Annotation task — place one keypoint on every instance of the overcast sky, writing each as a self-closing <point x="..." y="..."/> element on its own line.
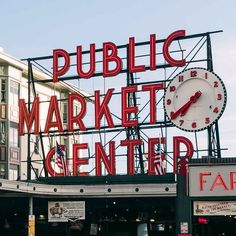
<point x="34" y="28"/>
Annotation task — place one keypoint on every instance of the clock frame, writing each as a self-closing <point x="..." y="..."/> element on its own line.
<point x="195" y="99"/>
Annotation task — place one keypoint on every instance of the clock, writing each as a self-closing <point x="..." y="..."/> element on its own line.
<point x="195" y="99"/>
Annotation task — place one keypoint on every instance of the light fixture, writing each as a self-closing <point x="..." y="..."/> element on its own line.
<point x="137" y="219"/>
<point x="152" y="220"/>
<point x="42" y="217"/>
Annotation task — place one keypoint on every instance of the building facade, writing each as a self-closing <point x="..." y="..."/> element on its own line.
<point x="13" y="148"/>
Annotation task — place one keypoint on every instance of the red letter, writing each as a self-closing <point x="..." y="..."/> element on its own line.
<point x="48" y="164"/>
<point x="78" y="118"/>
<point x="56" y="72"/>
<point x="91" y="71"/>
<point x="166" y="53"/>
<point x="131" y="61"/>
<point x="112" y="57"/>
<point x="29" y="118"/>
<point x="232" y="180"/>
<point x="202" y="181"/>
<point x="126" y="109"/>
<point x="152" y="154"/>
<point x="79" y="161"/>
<point x="176" y="144"/>
<point x="153" y="52"/>
<point x="219" y="182"/>
<point x="101" y="155"/>
<point x="152" y="88"/>
<point x="130" y="149"/>
<point x="103" y="109"/>
<point x="53" y="107"/>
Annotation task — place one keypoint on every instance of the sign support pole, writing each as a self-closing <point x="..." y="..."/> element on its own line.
<point x="183" y="208"/>
<point x="31" y="219"/>
<point x="30" y="205"/>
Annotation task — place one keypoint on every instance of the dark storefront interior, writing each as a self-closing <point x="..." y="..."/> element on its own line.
<point x="112" y="217"/>
<point x="116" y="217"/>
<point x="215" y="226"/>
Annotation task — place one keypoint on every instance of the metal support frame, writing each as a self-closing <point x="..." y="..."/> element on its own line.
<point x="134" y="132"/>
<point x="213" y="131"/>
<point x="214" y="148"/>
<point x="31" y="84"/>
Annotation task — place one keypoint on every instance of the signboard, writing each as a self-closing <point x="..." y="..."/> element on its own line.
<point x="113" y="107"/>
<point x="184" y="227"/>
<point x="112" y="65"/>
<point x="63" y="211"/>
<point x="216" y="208"/>
<point x="212" y="180"/>
<point x="31" y="228"/>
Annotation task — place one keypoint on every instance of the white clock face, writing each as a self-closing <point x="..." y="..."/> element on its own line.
<point x="195" y="99"/>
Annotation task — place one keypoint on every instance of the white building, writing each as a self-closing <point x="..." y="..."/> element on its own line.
<point x="13" y="149"/>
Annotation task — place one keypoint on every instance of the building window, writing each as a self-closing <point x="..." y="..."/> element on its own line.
<point x="3" y="90"/>
<point x="2" y="132"/>
<point x="2" y="171"/>
<point x="14" y="93"/>
<point x="2" y="153"/>
<point x="65" y="112"/>
<point x="13" y="172"/>
<point x="34" y="144"/>
<point x="34" y="173"/>
<point x="3" y="70"/>
<point x="14" y="155"/>
<point x="3" y="114"/>
<point x="13" y="137"/>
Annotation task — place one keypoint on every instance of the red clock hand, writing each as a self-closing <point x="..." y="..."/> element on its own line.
<point x="193" y="99"/>
<point x="182" y="110"/>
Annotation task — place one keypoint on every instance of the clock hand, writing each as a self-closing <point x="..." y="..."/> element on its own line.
<point x="182" y="110"/>
<point x="193" y="99"/>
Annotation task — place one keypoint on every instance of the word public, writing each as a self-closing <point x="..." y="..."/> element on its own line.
<point x="110" y="55"/>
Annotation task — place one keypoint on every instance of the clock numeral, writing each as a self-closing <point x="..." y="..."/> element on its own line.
<point x="219" y="96"/>
<point x="181" y="78"/>
<point x="168" y="102"/>
<point x="206" y="75"/>
<point x="181" y="122"/>
<point x="193" y="73"/>
<point x="172" y="88"/>
<point x="216" y="84"/>
<point x="207" y="120"/>
<point x="216" y="110"/>
<point x="194" y="125"/>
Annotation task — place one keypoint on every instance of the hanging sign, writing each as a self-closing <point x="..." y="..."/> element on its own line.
<point x="216" y="208"/>
<point x="63" y="211"/>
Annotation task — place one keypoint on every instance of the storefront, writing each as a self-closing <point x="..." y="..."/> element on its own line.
<point x="213" y="196"/>
<point x="116" y="150"/>
<point x="144" y="207"/>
